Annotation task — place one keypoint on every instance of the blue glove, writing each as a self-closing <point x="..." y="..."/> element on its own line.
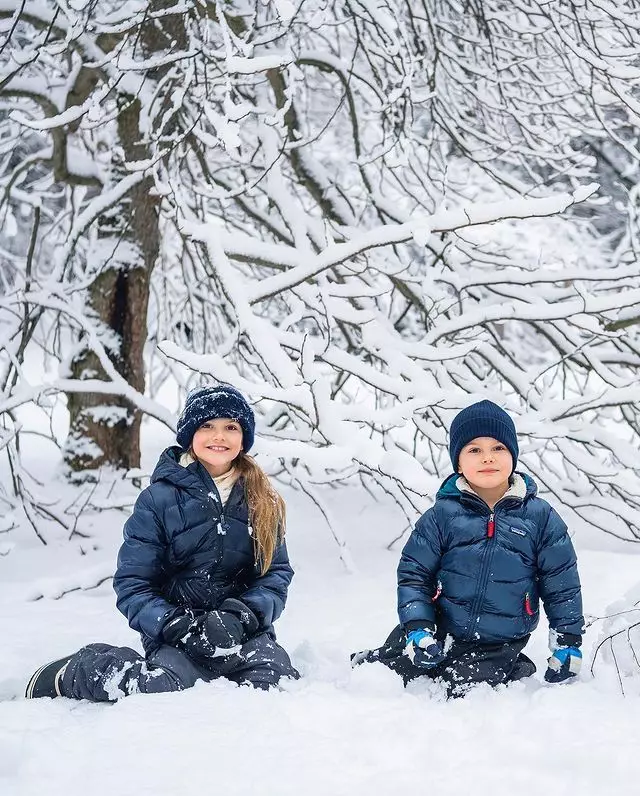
<point x="563" y="665"/>
<point x="423" y="649"/>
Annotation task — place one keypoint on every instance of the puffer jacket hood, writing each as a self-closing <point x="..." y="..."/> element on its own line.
<point x="479" y="574"/>
<point x="193" y="478"/>
<point x="170" y="470"/>
<point x="196" y="481"/>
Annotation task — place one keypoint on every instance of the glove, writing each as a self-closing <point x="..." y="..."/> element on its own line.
<point x="244" y="614"/>
<point x="423" y="649"/>
<point x="566" y="659"/>
<point x="202" y="636"/>
<point x="205" y="635"/>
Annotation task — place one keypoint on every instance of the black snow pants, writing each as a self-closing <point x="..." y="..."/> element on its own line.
<point x="466" y="663"/>
<point x="103" y="673"/>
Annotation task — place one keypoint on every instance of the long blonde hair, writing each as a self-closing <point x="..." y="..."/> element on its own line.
<point x="267" y="512"/>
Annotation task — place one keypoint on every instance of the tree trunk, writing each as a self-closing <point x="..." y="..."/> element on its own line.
<point x="103" y="428"/>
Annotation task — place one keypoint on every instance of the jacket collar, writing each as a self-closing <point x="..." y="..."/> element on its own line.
<point x="193" y="478"/>
<point x="196" y="480"/>
<point x="517" y="487"/>
<point x="521" y="488"/>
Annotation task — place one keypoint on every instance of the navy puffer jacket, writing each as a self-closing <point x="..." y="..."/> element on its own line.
<point x="182" y="549"/>
<point x="481" y="574"/>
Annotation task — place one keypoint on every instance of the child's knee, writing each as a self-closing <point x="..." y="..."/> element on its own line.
<point x="171" y="669"/>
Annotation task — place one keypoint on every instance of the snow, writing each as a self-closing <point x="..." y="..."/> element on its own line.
<point x="247" y="66"/>
<point x="503" y="300"/>
<point x="336" y="731"/>
<point x="386" y="235"/>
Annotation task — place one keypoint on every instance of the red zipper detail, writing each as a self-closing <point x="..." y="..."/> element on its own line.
<point x="438" y="592"/>
<point x="527" y="605"/>
<point x="491" y="526"/>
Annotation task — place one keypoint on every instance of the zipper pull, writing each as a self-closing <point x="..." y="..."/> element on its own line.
<point x="527" y="605"/>
<point x="491" y="525"/>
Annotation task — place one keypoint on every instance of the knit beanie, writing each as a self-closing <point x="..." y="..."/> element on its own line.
<point x="209" y="403"/>
<point x="484" y="419"/>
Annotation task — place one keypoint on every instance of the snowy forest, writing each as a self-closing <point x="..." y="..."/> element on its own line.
<point x="365" y="215"/>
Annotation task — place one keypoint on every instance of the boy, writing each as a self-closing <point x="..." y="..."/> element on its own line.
<point x="476" y="566"/>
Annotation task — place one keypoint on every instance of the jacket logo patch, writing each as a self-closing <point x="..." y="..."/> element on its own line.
<point x="518" y="531"/>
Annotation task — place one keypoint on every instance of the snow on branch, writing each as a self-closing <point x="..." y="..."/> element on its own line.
<point x="419" y="230"/>
<point x="363" y="226"/>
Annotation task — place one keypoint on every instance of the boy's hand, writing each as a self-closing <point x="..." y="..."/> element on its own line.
<point x="423" y="649"/>
<point x="566" y="659"/>
<point x="564" y="664"/>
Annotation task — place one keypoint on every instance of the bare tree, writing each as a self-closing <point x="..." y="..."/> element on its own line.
<point x="305" y="192"/>
<point x="74" y="88"/>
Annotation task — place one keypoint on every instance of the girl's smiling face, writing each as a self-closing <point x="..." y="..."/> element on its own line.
<point x="217" y="443"/>
<point x="486" y="464"/>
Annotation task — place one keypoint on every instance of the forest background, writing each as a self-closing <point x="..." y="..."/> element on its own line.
<point x="365" y="215"/>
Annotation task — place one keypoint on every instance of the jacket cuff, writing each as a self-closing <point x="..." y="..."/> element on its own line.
<point x="558" y="640"/>
<point x="419" y="624"/>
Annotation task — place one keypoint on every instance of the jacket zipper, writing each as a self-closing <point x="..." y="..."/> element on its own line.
<point x="220" y="530"/>
<point x="484" y="570"/>
<point x="220" y="526"/>
<point x="484" y="573"/>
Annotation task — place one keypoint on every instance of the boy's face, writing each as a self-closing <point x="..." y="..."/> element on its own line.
<point x="217" y="443"/>
<point x="486" y="463"/>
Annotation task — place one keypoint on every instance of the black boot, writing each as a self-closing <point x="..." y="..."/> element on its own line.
<point x="524" y="667"/>
<point x="364" y="656"/>
<point x="46" y="681"/>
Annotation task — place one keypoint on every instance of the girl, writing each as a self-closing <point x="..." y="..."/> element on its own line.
<point x="203" y="571"/>
<point x="476" y="566"/>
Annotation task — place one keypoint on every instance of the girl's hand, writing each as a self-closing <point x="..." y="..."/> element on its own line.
<point x="242" y="612"/>
<point x="176" y="629"/>
<point x="202" y="636"/>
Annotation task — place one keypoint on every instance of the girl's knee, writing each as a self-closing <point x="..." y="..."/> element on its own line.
<point x="173" y="669"/>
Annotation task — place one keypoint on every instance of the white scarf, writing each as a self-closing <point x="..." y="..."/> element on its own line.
<point x="225" y="483"/>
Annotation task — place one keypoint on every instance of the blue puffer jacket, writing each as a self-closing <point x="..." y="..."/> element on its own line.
<point x="480" y="574"/>
<point x="181" y="549"/>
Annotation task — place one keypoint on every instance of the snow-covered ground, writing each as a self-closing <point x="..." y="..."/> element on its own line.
<point x="336" y="731"/>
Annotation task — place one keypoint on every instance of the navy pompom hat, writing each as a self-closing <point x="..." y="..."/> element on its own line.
<point x="209" y="403"/>
<point x="484" y="419"/>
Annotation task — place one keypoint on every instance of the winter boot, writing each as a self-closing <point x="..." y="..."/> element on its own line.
<point x="364" y="656"/>
<point x="46" y="681"/>
<point x="524" y="667"/>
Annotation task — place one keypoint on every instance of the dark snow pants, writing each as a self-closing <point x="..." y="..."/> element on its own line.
<point x="103" y="673"/>
<point x="466" y="664"/>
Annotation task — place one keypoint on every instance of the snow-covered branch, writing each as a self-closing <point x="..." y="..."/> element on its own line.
<point x="364" y="226"/>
